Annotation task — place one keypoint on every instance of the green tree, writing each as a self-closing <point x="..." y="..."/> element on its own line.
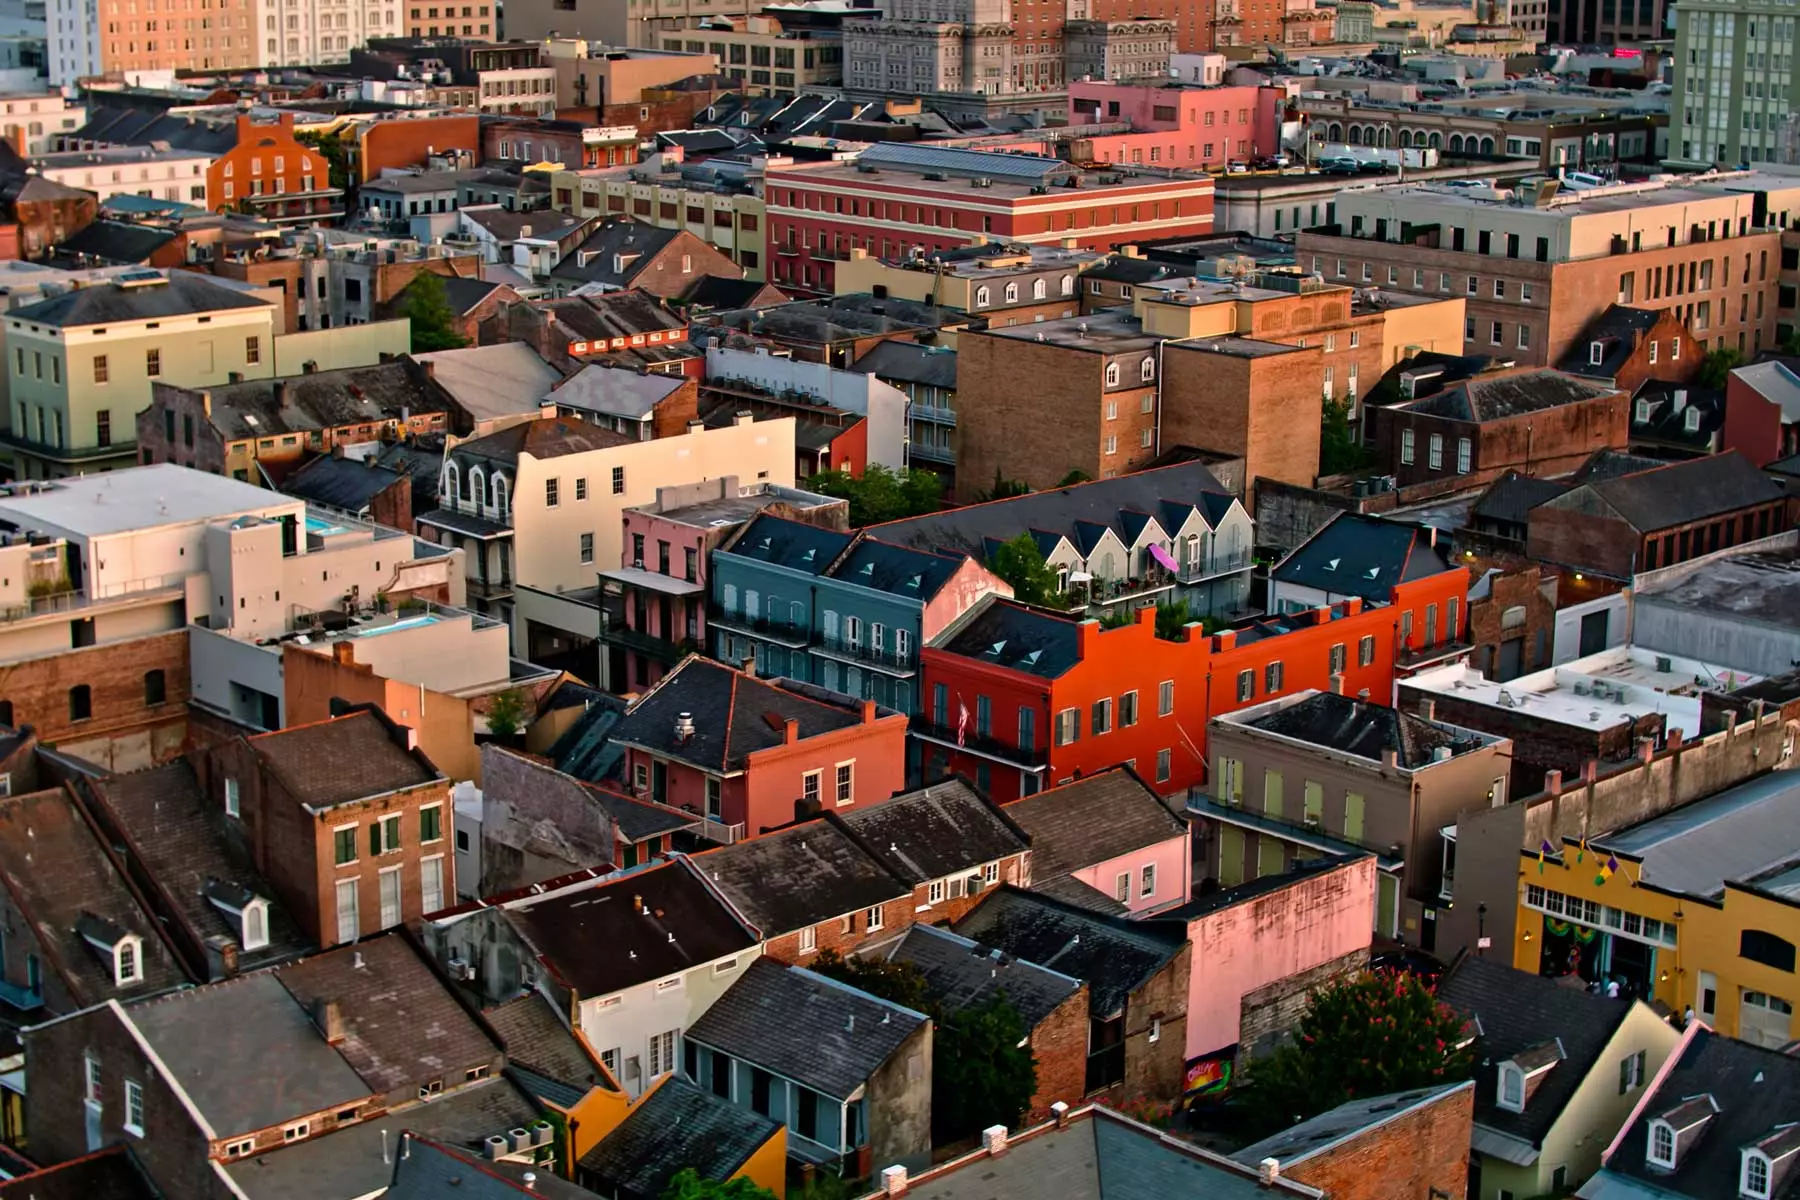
<point x="1022" y="564"/>
<point x="1717" y="365"/>
<point x="881" y="493"/>
<point x="688" y="1184"/>
<point x="1004" y="488"/>
<point x="335" y="153"/>
<point x="427" y="306"/>
<point x="1378" y="1032"/>
<point x="1074" y="477"/>
<point x="506" y="713"/>
<point x="1340" y="448"/>
<point x="900" y="982"/>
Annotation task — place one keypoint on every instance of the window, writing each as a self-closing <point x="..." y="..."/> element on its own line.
<point x="587" y="547"/>
<point x="1068" y="726"/>
<point x="127" y="961"/>
<point x="153" y="363"/>
<point x="232" y="807"/>
<point x="1512" y="1088"/>
<point x="934" y="892"/>
<point x="1335" y="660"/>
<point x="1406" y="446"/>
<point x="134" y="1108"/>
<point x="94" y="1080"/>
<point x="155" y="687"/>
<point x="1163" y="766"/>
<point x="1631" y="1072"/>
<point x="1147" y="881"/>
<point x="431" y="883"/>
<point x="1112" y="374"/>
<point x="1662" y="1144"/>
<point x="81" y="702"/>
<point x="1434" y="452"/>
<point x="618" y="481"/>
<point x="1128" y="710"/>
<point x="1272" y="678"/>
<point x="846" y="773"/>
<point x="1766" y="948"/>
<point x="100" y="372"/>
<point x="1246" y="685"/>
<point x="809" y="789"/>
<point x="1122" y="887"/>
<point x="1463" y="455"/>
<point x="581" y="489"/>
<point x="431" y="823"/>
<point x="1365" y="650"/>
<point x="872" y="919"/>
<point x="252" y="350"/>
<point x="809" y="940"/>
<point x="384" y="835"/>
<point x="1755" y="1181"/>
<point x="1165" y="697"/>
<point x="1102" y="717"/>
<point x="343" y="840"/>
<point x="551" y="487"/>
<point x="102" y="421"/>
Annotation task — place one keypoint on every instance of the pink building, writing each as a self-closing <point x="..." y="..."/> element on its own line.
<point x="659" y="614"/>
<point x="1111" y="832"/>
<point x="1261" y="949"/>
<point x="1174" y="125"/>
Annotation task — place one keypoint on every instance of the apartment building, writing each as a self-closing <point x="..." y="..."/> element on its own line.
<point x="899" y="199"/>
<point x="97" y="37"/>
<point x="318" y="31"/>
<point x="177" y="175"/>
<point x="35" y="124"/>
<point x="474" y="21"/>
<point x="1011" y="284"/>
<point x="1534" y="275"/>
<point x="724" y="213"/>
<point x="1173" y="124"/>
<point x="980" y="55"/>
<point x="764" y="55"/>
<point x="1735" y="82"/>
<point x="499" y="78"/>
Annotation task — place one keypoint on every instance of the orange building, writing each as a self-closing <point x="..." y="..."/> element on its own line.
<point x="274" y="175"/>
<point x="404" y="142"/>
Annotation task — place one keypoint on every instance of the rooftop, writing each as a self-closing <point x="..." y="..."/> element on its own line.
<point x="1744" y="834"/>
<point x="341" y="760"/>
<point x="909" y="362"/>
<point x="1500" y="396"/>
<point x="936" y="831"/>
<point x="796" y="545"/>
<point x="1366" y="556"/>
<point x="1064" y="835"/>
<point x="615" y="391"/>
<point x="1239" y="347"/>
<point x="260" y="408"/>
<point x="1358" y="728"/>
<point x="1017" y="637"/>
<point x="1109" y="331"/>
<point x="793" y="878"/>
<point x="492" y="381"/>
<point x="676" y="1126"/>
<point x="1329" y="1130"/>
<point x="136" y="296"/>
<point x="1756" y="589"/>
<point x="961" y="974"/>
<point x="136" y="498"/>
<point x="425" y="1169"/>
<point x="1678" y="493"/>
<point x="1776" y="383"/>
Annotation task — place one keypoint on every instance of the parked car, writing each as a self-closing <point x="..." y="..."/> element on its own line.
<point x="1237" y="166"/>
<point x="1339" y="166"/>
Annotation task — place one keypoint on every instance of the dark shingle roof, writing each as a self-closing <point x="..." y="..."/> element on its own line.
<point x="815" y="1031"/>
<point x="1354" y="1118"/>
<point x="425" y="1169"/>
<point x="322" y="400"/>
<point x="1618" y="331"/>
<point x="1114" y="955"/>
<point x="118" y="242"/>
<point x="792" y="544"/>
<point x="1353" y="726"/>
<point x="1665" y="407"/>
<point x="544" y="437"/>
<point x="960" y="973"/>
<point x="593" y="260"/>
<point x="1496" y="397"/>
<point x="110" y="1174"/>
<point x="1357" y="555"/>
<point x="179" y="294"/>
<point x="1755" y="1090"/>
<point x="62" y="881"/>
<point x="1675" y="494"/>
<point x="565" y="929"/>
<point x="340" y="482"/>
<point x="674" y="1128"/>
<point x="909" y="362"/>
<point x="896" y="570"/>
<point x="536" y="1039"/>
<point x="799" y="876"/>
<point x="1019" y="638"/>
<point x="189" y="848"/>
<point x="335" y="762"/>
<point x="402" y="1028"/>
<point x="939" y="830"/>
<point x="1103" y="816"/>
<point x="734" y="715"/>
<point x="1517" y="1011"/>
<point x="1509" y="498"/>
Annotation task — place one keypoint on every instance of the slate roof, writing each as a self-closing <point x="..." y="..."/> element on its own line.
<point x="586" y="749"/>
<point x="616" y="391"/>
<point x="1329" y="1130"/>
<point x="1674" y="493"/>
<point x="1755" y="1089"/>
<point x="124" y="124"/>
<point x="909" y="362"/>
<point x="492" y="381"/>
<point x="1511" y="497"/>
<point x="944" y="829"/>
<point x="509" y="224"/>
<point x="61" y="880"/>
<point x="1517" y="1011"/>
<point x="734" y="715"/>
<point x="896" y="570"/>
<point x="675" y="1127"/>
<point x="815" y="1031"/>
<point x="543" y="437"/>
<point x="110" y="1174"/>
<point x="402" y="1027"/>
<point x="593" y="260"/>
<point x="1357" y="555"/>
<point x="207" y="1037"/>
<point x="333" y="762"/>
<point x="1114" y="955"/>
<point x="1663" y="421"/>
<point x="1497" y="397"/>
<point x="564" y="928"/>
<point x="1073" y="891"/>
<point x="801" y="875"/>
<point x="721" y="291"/>
<point x="507" y="774"/>
<point x="1011" y="635"/>
<point x="536" y="1039"/>
<point x="429" y="1170"/>
<point x="1105" y="815"/>
<point x="121" y="243"/>
<point x="188" y="845"/>
<point x="1618" y="329"/>
<point x="960" y="973"/>
<point x="182" y="294"/>
<point x="836" y="318"/>
<point x="1352" y="726"/>
<point x="322" y="400"/>
<point x="792" y="544"/>
<point x="341" y="483"/>
<point x="1170" y="493"/>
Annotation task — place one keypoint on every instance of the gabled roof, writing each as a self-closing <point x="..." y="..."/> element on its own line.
<point x="1116" y="956"/>
<point x="734" y="715"/>
<point x="1618" y="330"/>
<point x="1515" y="1011"/>
<point x="818" y="1032"/>
<point x="116" y="242"/>
<point x="402" y="1027"/>
<point x="1352" y="726"/>
<point x="542" y="437"/>
<point x="616" y="391"/>
<point x="336" y="761"/>
<point x="593" y="261"/>
<point x="341" y="483"/>
<point x="509" y="225"/>
<point x="654" y="922"/>
<point x="372" y="394"/>
<point x="1357" y="555"/>
<point x="1497" y="397"/>
<point x="192" y="852"/>
<point x="1665" y="409"/>
<point x="64" y="884"/>
<point x="944" y="829"/>
<point x="1102" y="816"/>
<point x="1675" y="493"/>
<point x="1330" y="1130"/>
<point x="178" y="294"/>
<point x="792" y="544"/>
<point x="492" y="381"/>
<point x="909" y="362"/>
<point x="675" y="1127"/>
<point x="960" y="973"/>
<point x="1756" y="1090"/>
<point x="1511" y="497"/>
<point x="425" y="1169"/>
<point x="1014" y="636"/>
<point x="574" y="806"/>
<point x="896" y="570"/>
<point x="537" y="1040"/>
<point x="801" y="875"/>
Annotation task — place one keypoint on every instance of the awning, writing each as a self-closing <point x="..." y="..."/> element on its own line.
<point x="1164" y="557"/>
<point x="1502" y="1146"/>
<point x="652" y="581"/>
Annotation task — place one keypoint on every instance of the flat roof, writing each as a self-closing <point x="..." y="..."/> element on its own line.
<point x="1238" y="347"/>
<point x="1746" y="833"/>
<point x="135" y="498"/>
<point x="1104" y="332"/>
<point x="1761" y="589"/>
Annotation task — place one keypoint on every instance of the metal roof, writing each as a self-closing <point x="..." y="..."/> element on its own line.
<point x="1029" y="168"/>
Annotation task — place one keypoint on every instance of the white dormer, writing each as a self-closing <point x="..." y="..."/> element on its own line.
<point x="1766" y="1163"/>
<point x="1692" y="420"/>
<point x="243" y="908"/>
<point x="1512" y="1088"/>
<point x="1596" y="353"/>
<point x="1754" y="1174"/>
<point x="1520" y="1075"/>
<point x="128" y="960"/>
<point x="121" y="950"/>
<point x="1673" y="1131"/>
<point x="1661" y="1151"/>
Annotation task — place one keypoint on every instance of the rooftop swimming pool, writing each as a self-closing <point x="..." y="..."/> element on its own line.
<point x="408" y="623"/>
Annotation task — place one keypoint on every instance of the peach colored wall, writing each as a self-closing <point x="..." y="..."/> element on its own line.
<point x="1183" y="140"/>
<point x="969" y="584"/>
<point x="1173" y="861"/>
<point x="1280" y="933"/>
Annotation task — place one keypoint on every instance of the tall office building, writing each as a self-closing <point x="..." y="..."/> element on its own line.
<point x="1734" y="80"/>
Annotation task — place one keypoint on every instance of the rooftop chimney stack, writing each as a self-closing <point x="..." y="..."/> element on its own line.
<point x="684" y="727"/>
<point x="329" y="1015"/>
<point x="1268" y="1171"/>
<point x="749" y="667"/>
<point x="893" y="1181"/>
<point x="1060" y="1110"/>
<point x="993" y="1140"/>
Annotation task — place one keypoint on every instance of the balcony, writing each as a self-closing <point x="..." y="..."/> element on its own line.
<point x="1221" y="564"/>
<point x="1105" y="593"/>
<point x="980" y="745"/>
<point x="919" y="411"/>
<point x="890" y="661"/>
<point x="659" y="648"/>
<point x="1307" y="831"/>
<point x="490" y="589"/>
<point x="924" y="452"/>
<point x="781" y="632"/>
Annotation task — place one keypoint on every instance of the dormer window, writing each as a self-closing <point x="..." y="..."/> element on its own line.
<point x="1691" y="422"/>
<point x="1753" y="1176"/>
<point x="1596" y="353"/>
<point x="1662" y="1145"/>
<point x="1147" y="371"/>
<point x="121" y="950"/>
<point x="1677" y="1129"/>
<point x="1112" y="374"/>
<point x="1512" y="1088"/>
<point x="1643" y="412"/>
<point x="243" y="908"/>
<point x="1520" y="1075"/>
<point x="128" y="965"/>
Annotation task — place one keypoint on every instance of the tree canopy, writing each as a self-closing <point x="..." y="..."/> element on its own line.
<point x="1717" y="365"/>
<point x="1340" y="448"/>
<point x="881" y="493"/>
<point x="688" y="1184"/>
<point x="1022" y="564"/>
<point x="427" y="306"/>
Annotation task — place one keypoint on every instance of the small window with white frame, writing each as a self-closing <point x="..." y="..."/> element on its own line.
<point x="1147" y="881"/>
<point x="231" y="797"/>
<point x="809" y="940"/>
<point x="1512" y="1088"/>
<point x="872" y="919"/>
<point x="1755" y="1174"/>
<point x="134" y="1108"/>
<point x="1122" y="887"/>
<point x="934" y="892"/>
<point x="296" y="1132"/>
<point x="1661" y="1150"/>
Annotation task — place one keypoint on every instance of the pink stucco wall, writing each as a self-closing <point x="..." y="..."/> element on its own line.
<point x="1245" y="122"/>
<point x="971" y="582"/>
<point x="1173" y="861"/>
<point x="1282" y="932"/>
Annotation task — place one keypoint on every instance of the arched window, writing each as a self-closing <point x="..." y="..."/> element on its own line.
<point x="1039" y="289"/>
<point x="256" y="925"/>
<point x="452" y="485"/>
<point x="81" y="702"/>
<point x="1435" y="141"/>
<point x="496" y="489"/>
<point x="1012" y="293"/>
<point x="502" y="502"/>
<point x="982" y="297"/>
<point x="1456" y="143"/>
<point x="1405" y="137"/>
<point x="1112" y="374"/>
<point x="1068" y="285"/>
<point x="477" y="487"/>
<point x="1336" y="132"/>
<point x="155" y="687"/>
<point x="1147" y="370"/>
<point x="1487" y="145"/>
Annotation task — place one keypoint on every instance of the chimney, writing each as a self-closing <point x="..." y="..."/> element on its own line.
<point x="1552" y="783"/>
<point x="993" y="1140"/>
<point x="868" y="712"/>
<point x="749" y="664"/>
<point x="790" y="732"/>
<point x="1428" y="709"/>
<point x="430" y="369"/>
<point x="1268" y="1171"/>
<point x="344" y="652"/>
<point x="329" y="1016"/>
<point x="684" y="727"/>
<point x="1646" y="749"/>
<point x="1390" y="758"/>
<point x="696" y="426"/>
<point x="893" y="1181"/>
<point x="281" y="393"/>
<point x="1060" y="1110"/>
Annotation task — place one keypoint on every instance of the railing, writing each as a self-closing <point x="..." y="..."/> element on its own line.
<point x="1221" y="564"/>
<point x="1302" y="827"/>
<point x="490" y="589"/>
<point x="929" y="453"/>
<point x="859" y="652"/>
<point x="930" y="412"/>
<point x="981" y="744"/>
<point x="647" y="643"/>
<point x="787" y="632"/>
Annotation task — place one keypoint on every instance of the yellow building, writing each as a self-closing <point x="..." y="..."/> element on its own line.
<point x="733" y="223"/>
<point x="1693" y="909"/>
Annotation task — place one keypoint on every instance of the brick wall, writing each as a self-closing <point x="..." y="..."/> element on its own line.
<point x="1539" y="744"/>
<point x="206" y="450"/>
<point x="1157" y="1068"/>
<point x="1039" y="434"/>
<point x="1268" y="1012"/>
<point x="1423" y="1153"/>
<point x="843" y="935"/>
<point x="400" y="144"/>
<point x="1266" y="409"/>
<point x="125" y="732"/>
<point x="1059" y="1044"/>
<point x="1522" y="587"/>
<point x="1544" y="442"/>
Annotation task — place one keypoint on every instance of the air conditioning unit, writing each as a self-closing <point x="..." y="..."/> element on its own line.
<point x="461" y="969"/>
<point x="975" y="884"/>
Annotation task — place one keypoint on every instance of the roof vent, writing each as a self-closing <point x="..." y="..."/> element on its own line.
<point x="684" y="727"/>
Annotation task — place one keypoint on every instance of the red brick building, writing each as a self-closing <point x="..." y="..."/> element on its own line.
<point x="1762" y="412"/>
<point x="407" y="142"/>
<point x="1413" y="1143"/>
<point x="276" y="176"/>
<point x="899" y="198"/>
<point x="122" y="704"/>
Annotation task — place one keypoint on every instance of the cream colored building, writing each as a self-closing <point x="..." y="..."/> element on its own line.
<point x="732" y="222"/>
<point x="131" y="171"/>
<point x="296" y="33"/>
<point x="35" y="122"/>
<point x="1025" y="278"/>
<point x="761" y="56"/>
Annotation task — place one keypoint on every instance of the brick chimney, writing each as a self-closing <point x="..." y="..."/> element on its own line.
<point x="1268" y="1172"/>
<point x="893" y="1181"/>
<point x="343" y="652"/>
<point x="790" y="732"/>
<point x="1060" y="1110"/>
<point x="329" y="1016"/>
<point x="868" y="712"/>
<point x="993" y="1140"/>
